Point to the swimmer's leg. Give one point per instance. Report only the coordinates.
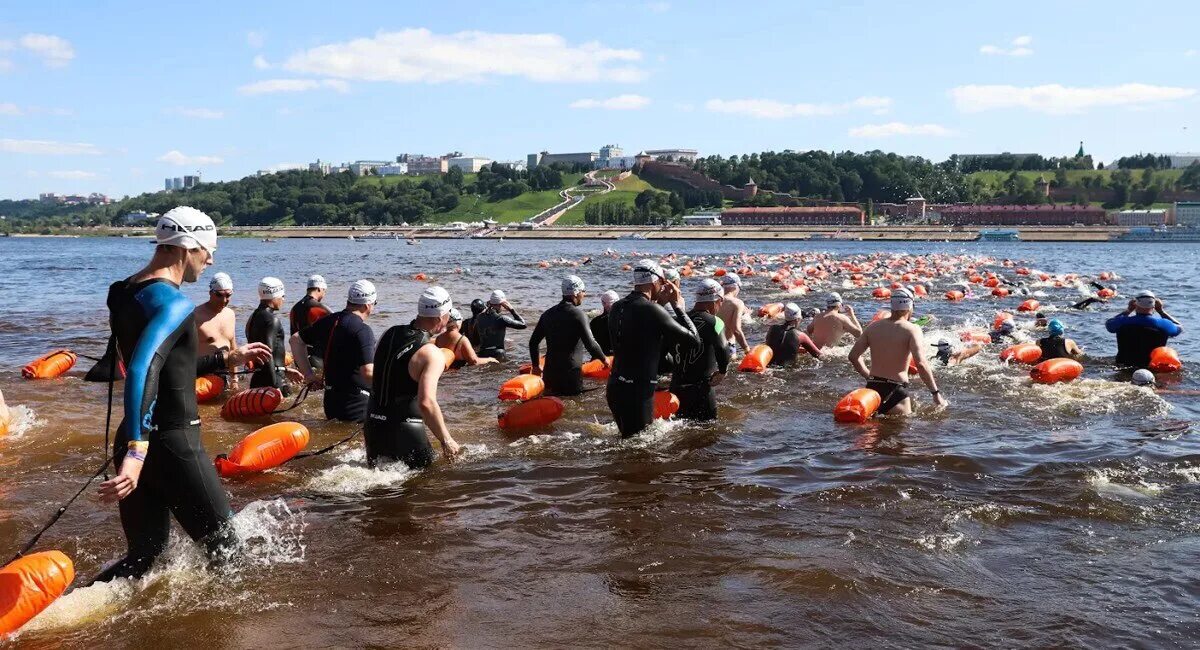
(146, 521)
(194, 493)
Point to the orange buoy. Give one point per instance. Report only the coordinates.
(954, 295)
(882, 292)
(770, 310)
(522, 388)
(1165, 359)
(757, 359)
(1022, 271)
(209, 388)
(1029, 305)
(420, 277)
(1000, 292)
(665, 405)
(1001, 316)
(449, 355)
(594, 369)
(532, 414)
(920, 290)
(1027, 353)
(50, 366)
(543, 264)
(992, 282)
(1105, 293)
(252, 403)
(719, 272)
(881, 314)
(1056, 370)
(268, 447)
(857, 406)
(29, 584)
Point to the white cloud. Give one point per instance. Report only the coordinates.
(198, 113)
(48, 147)
(176, 157)
(891, 129)
(54, 51)
(1020, 47)
(255, 38)
(1056, 99)
(292, 86)
(5, 65)
(775, 110)
(420, 56)
(260, 63)
(10, 109)
(618, 103)
(73, 174)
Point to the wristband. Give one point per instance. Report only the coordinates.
(935, 392)
(138, 449)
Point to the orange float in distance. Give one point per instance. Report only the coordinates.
(1029, 305)
(533, 414)
(252, 403)
(954, 295)
(770, 310)
(857, 406)
(1026, 353)
(757, 359)
(1055, 371)
(1165, 359)
(1000, 292)
(50, 366)
(29, 584)
(882, 292)
(209, 388)
(522, 388)
(1105, 293)
(268, 447)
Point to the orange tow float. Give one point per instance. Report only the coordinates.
(1029, 305)
(857, 406)
(594, 369)
(1055, 371)
(1165, 359)
(29, 584)
(665, 405)
(1026, 353)
(522, 388)
(532, 414)
(757, 359)
(268, 447)
(50, 366)
(252, 403)
(209, 388)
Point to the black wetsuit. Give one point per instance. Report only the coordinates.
(599, 327)
(265, 327)
(156, 335)
(666, 363)
(304, 313)
(695, 365)
(490, 327)
(1138, 335)
(786, 342)
(639, 329)
(1053, 347)
(346, 344)
(394, 430)
(565, 329)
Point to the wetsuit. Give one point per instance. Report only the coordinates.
(156, 335)
(304, 313)
(346, 343)
(265, 327)
(639, 329)
(998, 336)
(1053, 347)
(490, 327)
(109, 368)
(666, 363)
(599, 327)
(944, 356)
(785, 342)
(394, 430)
(565, 329)
(891, 392)
(1138, 335)
(695, 366)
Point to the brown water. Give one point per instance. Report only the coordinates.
(1024, 515)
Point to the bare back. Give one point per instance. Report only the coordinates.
(892, 343)
(216, 330)
(731, 312)
(828, 329)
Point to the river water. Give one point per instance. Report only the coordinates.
(1021, 516)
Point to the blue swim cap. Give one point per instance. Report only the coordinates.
(1055, 327)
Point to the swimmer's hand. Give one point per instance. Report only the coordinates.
(293, 375)
(535, 370)
(451, 447)
(256, 352)
(604, 362)
(314, 382)
(123, 484)
(940, 401)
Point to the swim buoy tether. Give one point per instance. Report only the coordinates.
(1055, 371)
(594, 369)
(252, 403)
(1027, 353)
(268, 447)
(1029, 305)
(527, 367)
(857, 406)
(1165, 359)
(50, 366)
(522, 388)
(757, 359)
(209, 388)
(665, 405)
(29, 584)
(532, 414)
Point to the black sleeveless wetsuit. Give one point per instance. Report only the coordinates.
(265, 327)
(304, 313)
(394, 430)
(490, 327)
(695, 365)
(565, 329)
(156, 336)
(1053, 347)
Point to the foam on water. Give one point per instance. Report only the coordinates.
(352, 476)
(1123, 483)
(23, 419)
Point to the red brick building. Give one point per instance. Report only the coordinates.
(820, 216)
(1022, 215)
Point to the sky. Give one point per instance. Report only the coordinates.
(112, 97)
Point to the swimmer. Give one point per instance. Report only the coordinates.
(786, 340)
(948, 356)
(1087, 302)
(733, 312)
(892, 342)
(491, 325)
(163, 468)
(404, 391)
(565, 329)
(309, 310)
(346, 346)
(1145, 378)
(701, 366)
(639, 328)
(1004, 331)
(1056, 346)
(265, 327)
(1139, 330)
(478, 306)
(828, 328)
(1039, 320)
(454, 340)
(216, 322)
(599, 324)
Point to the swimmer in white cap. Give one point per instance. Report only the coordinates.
(491, 326)
(733, 312)
(264, 326)
(309, 310)
(701, 366)
(599, 324)
(454, 340)
(893, 341)
(564, 328)
(786, 340)
(216, 322)
(347, 345)
(836, 321)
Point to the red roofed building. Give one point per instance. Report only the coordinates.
(1022, 215)
(820, 216)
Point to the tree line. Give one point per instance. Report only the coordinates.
(650, 208)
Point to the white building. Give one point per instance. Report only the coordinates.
(1141, 217)
(702, 219)
(364, 167)
(319, 166)
(611, 151)
(392, 169)
(620, 162)
(469, 164)
(1182, 160)
(139, 217)
(676, 155)
(1187, 213)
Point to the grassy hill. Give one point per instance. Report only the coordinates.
(477, 208)
(1073, 175)
(627, 189)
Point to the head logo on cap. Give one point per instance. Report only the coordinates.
(572, 285)
(709, 291)
(434, 302)
(362, 292)
(270, 288)
(186, 228)
(646, 271)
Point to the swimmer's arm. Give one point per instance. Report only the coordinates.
(855, 357)
(916, 347)
(430, 370)
(808, 345)
(300, 355)
(1073, 349)
(738, 334)
(470, 356)
(535, 344)
(680, 327)
(167, 311)
(717, 342)
(1114, 324)
(852, 325)
(585, 335)
(367, 370)
(516, 322)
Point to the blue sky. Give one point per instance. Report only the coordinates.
(114, 96)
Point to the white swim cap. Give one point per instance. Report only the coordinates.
(943, 343)
(834, 298)
(792, 311)
(902, 300)
(731, 280)
(317, 282)
(221, 282)
(362, 292)
(270, 288)
(187, 228)
(645, 271)
(434, 302)
(608, 298)
(1143, 377)
(709, 291)
(572, 285)
(496, 298)
(670, 274)
(1145, 299)
(456, 315)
